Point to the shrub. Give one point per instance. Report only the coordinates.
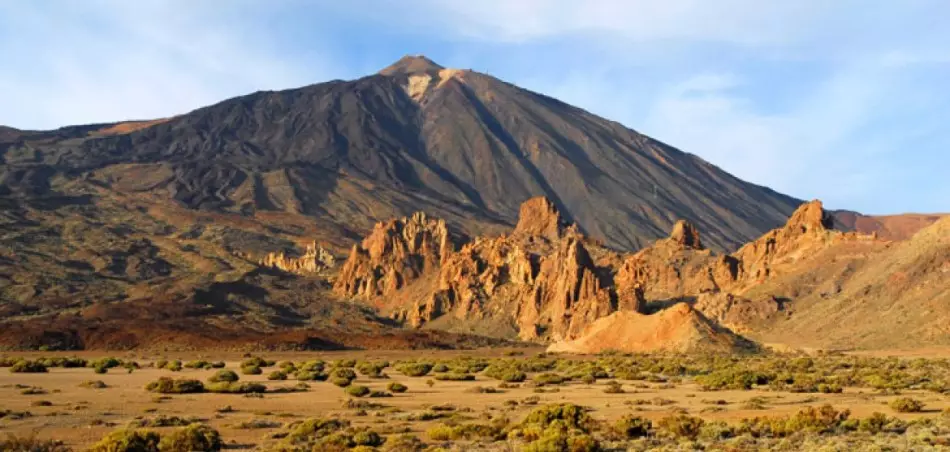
(614, 387)
(100, 369)
(128, 441)
(25, 366)
(93, 384)
(195, 437)
(344, 363)
(167, 385)
(907, 405)
(731, 379)
(633, 427)
(31, 444)
(224, 375)
(164, 421)
(549, 378)
(371, 369)
(398, 388)
(217, 365)
(251, 370)
(256, 361)
(314, 429)
(367, 438)
(455, 377)
(557, 440)
(414, 369)
(681, 426)
(377, 394)
(197, 364)
(174, 366)
(566, 414)
(465, 432)
(277, 375)
(308, 375)
(160, 364)
(357, 391)
(243, 387)
(510, 376)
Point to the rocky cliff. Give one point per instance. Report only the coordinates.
(547, 282)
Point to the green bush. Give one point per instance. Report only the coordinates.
(907, 405)
(197, 364)
(681, 426)
(414, 369)
(251, 370)
(217, 365)
(398, 388)
(93, 384)
(311, 430)
(31, 444)
(26, 366)
(277, 375)
(357, 391)
(165, 385)
(174, 366)
(128, 440)
(195, 437)
(243, 387)
(549, 378)
(633, 427)
(614, 387)
(367, 438)
(565, 414)
(224, 375)
(455, 377)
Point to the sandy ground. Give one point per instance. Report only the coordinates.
(75, 411)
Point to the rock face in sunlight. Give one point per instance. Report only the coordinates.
(315, 259)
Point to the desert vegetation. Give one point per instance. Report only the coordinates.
(531, 402)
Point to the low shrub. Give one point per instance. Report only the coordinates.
(237, 387)
(549, 378)
(907, 405)
(357, 391)
(632, 427)
(398, 388)
(224, 375)
(128, 440)
(31, 443)
(163, 421)
(455, 377)
(165, 385)
(614, 387)
(681, 426)
(195, 437)
(251, 370)
(414, 369)
(26, 366)
(277, 375)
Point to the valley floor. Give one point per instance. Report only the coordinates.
(60, 408)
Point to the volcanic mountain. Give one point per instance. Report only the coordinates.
(107, 220)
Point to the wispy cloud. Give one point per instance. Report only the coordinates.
(68, 62)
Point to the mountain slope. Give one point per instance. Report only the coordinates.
(458, 144)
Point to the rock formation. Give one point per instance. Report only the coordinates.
(539, 217)
(679, 329)
(315, 259)
(394, 254)
(546, 282)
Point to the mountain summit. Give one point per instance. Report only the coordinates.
(411, 64)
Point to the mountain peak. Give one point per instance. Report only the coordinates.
(412, 64)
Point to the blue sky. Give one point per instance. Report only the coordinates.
(845, 101)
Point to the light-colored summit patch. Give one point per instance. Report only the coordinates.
(417, 86)
(449, 73)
